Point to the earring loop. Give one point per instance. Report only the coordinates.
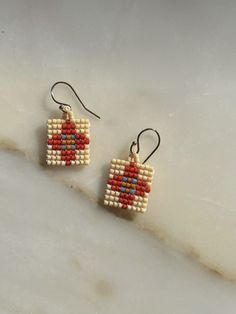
(137, 143)
(67, 105)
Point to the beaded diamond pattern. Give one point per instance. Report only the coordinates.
(129, 185)
(68, 141)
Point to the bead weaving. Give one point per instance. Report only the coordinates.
(68, 141)
(129, 184)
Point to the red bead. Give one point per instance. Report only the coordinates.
(141, 193)
(77, 147)
(68, 163)
(54, 136)
(126, 174)
(54, 147)
(50, 142)
(63, 158)
(124, 206)
(78, 136)
(58, 147)
(72, 157)
(147, 190)
(110, 181)
(68, 152)
(113, 188)
(64, 131)
(59, 136)
(137, 193)
(67, 157)
(87, 141)
(72, 152)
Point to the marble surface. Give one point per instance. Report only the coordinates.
(164, 64)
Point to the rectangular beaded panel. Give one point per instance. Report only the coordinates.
(129, 185)
(68, 142)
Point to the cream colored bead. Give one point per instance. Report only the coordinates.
(106, 202)
(112, 192)
(72, 162)
(107, 197)
(115, 204)
(49, 152)
(108, 191)
(49, 131)
(111, 176)
(113, 161)
(54, 120)
(49, 121)
(120, 205)
(49, 136)
(48, 162)
(54, 152)
(58, 163)
(49, 147)
(49, 126)
(86, 162)
(53, 162)
(129, 207)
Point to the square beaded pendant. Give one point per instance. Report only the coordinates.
(68, 141)
(129, 184)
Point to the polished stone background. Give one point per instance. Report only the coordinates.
(169, 65)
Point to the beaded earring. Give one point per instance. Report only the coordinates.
(68, 138)
(129, 182)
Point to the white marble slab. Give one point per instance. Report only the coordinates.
(167, 65)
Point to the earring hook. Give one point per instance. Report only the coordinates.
(138, 143)
(67, 105)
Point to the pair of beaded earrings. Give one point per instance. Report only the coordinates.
(129, 182)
